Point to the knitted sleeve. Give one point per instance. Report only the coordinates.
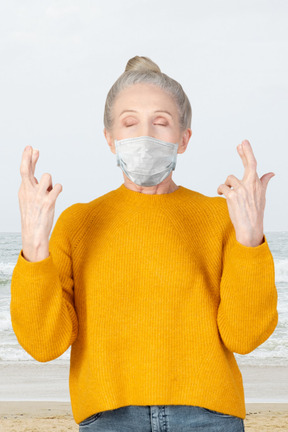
(42, 311)
(247, 313)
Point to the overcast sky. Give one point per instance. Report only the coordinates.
(60, 58)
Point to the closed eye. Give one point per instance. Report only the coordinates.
(156, 124)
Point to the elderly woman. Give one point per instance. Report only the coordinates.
(154, 285)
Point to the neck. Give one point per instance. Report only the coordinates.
(166, 186)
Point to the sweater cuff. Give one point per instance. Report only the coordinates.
(260, 252)
(36, 269)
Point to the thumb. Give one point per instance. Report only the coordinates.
(56, 190)
(265, 179)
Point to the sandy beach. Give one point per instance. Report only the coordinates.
(57, 416)
(35, 397)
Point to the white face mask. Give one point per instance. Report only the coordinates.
(145, 160)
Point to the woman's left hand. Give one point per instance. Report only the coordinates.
(246, 201)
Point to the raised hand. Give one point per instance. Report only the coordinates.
(37, 207)
(246, 198)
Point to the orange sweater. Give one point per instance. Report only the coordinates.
(154, 293)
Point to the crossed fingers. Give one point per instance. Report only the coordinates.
(28, 164)
(246, 198)
(250, 174)
(249, 161)
(27, 170)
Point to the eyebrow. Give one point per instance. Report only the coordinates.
(167, 112)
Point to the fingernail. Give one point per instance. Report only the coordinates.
(35, 150)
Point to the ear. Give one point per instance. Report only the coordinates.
(110, 140)
(185, 137)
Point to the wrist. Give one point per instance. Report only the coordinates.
(254, 242)
(35, 252)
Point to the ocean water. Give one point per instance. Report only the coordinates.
(273, 352)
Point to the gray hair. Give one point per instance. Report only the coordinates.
(144, 70)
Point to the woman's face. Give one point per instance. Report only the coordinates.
(146, 110)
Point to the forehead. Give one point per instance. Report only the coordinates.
(142, 96)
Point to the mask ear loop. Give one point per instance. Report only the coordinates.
(117, 153)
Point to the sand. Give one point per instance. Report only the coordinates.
(57, 417)
(35, 398)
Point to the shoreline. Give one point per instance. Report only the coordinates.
(60, 408)
(35, 397)
(50, 382)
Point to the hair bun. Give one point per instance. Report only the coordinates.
(141, 64)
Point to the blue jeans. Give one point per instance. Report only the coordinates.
(161, 418)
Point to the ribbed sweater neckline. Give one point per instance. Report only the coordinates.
(139, 198)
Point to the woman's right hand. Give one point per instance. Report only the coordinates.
(37, 207)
